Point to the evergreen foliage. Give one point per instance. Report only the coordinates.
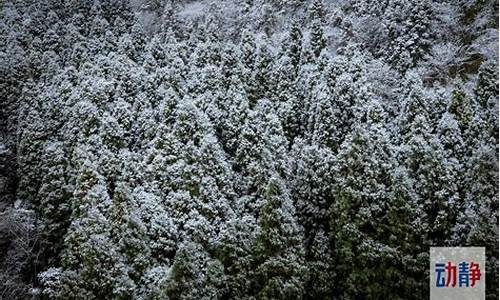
(284, 149)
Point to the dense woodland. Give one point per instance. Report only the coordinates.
(245, 149)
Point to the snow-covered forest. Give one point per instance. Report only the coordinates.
(244, 149)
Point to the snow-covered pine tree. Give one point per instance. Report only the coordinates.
(261, 152)
(278, 253)
(409, 32)
(91, 265)
(373, 216)
(317, 38)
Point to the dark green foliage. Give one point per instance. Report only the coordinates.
(318, 40)
(278, 254)
(281, 149)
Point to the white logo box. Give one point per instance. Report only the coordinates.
(457, 255)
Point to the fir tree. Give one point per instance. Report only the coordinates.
(317, 38)
(278, 251)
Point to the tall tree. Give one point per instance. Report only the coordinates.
(278, 250)
(374, 216)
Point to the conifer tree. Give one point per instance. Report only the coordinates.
(92, 265)
(195, 275)
(317, 10)
(294, 45)
(261, 152)
(246, 57)
(370, 191)
(278, 251)
(461, 107)
(409, 26)
(317, 38)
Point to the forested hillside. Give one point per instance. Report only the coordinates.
(245, 149)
